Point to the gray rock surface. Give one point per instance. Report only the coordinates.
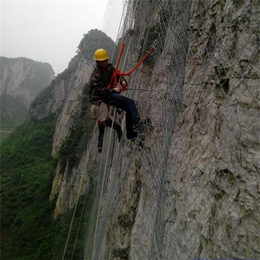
(192, 190)
(24, 79)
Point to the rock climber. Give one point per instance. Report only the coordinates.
(100, 79)
(100, 112)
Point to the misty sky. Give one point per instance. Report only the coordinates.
(51, 30)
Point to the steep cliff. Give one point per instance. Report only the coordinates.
(47, 145)
(190, 187)
(67, 97)
(193, 188)
(21, 81)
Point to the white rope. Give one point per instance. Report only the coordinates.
(108, 150)
(80, 186)
(102, 188)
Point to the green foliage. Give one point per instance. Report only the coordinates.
(27, 167)
(44, 96)
(81, 225)
(28, 228)
(75, 144)
(238, 3)
(26, 175)
(4, 134)
(7, 127)
(94, 40)
(13, 112)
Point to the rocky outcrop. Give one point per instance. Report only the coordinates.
(21, 81)
(191, 187)
(63, 97)
(24, 79)
(66, 98)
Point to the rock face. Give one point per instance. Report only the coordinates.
(63, 97)
(21, 81)
(66, 98)
(23, 78)
(192, 189)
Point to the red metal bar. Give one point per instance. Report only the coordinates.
(119, 73)
(138, 64)
(113, 81)
(120, 55)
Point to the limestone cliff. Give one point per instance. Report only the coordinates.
(191, 189)
(24, 78)
(66, 98)
(21, 81)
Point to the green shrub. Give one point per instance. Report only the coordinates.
(26, 176)
(93, 40)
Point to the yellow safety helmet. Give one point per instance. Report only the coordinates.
(101, 55)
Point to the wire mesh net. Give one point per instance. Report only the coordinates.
(189, 185)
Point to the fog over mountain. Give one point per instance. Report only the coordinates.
(21, 80)
(50, 30)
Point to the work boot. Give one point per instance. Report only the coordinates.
(142, 125)
(131, 135)
(119, 134)
(99, 149)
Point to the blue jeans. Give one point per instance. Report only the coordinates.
(128, 105)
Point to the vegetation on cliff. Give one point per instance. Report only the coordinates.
(94, 40)
(26, 174)
(29, 230)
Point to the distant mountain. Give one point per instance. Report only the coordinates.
(21, 80)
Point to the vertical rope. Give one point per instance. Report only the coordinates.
(102, 190)
(80, 186)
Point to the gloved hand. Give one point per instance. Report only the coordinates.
(124, 85)
(119, 111)
(118, 89)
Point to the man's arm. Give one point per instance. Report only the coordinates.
(97, 89)
(96, 80)
(93, 114)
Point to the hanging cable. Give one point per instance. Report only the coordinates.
(102, 189)
(112, 82)
(74, 212)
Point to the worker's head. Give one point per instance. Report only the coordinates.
(101, 58)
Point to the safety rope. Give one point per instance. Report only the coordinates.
(113, 139)
(102, 188)
(75, 207)
(72, 220)
(113, 83)
(108, 150)
(81, 181)
(81, 216)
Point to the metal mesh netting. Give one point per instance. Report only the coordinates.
(189, 185)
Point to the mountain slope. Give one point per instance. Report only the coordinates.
(21, 81)
(29, 161)
(189, 188)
